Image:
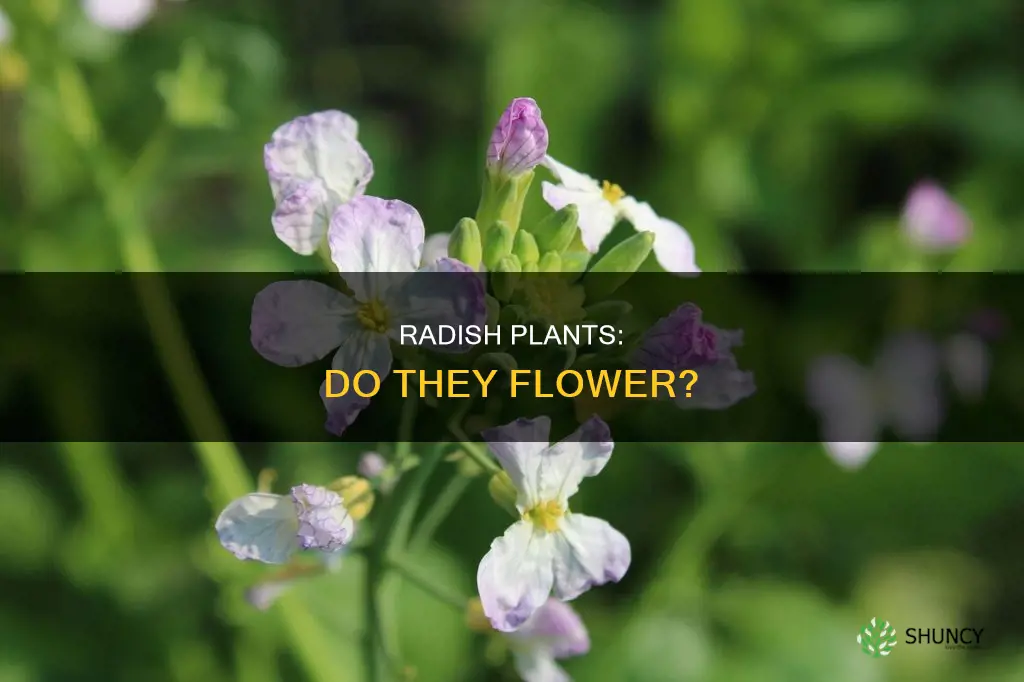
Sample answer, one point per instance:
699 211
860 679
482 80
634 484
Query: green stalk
439 511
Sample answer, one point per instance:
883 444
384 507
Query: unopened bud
503 492
466 244
575 261
557 230
608 312
524 247
618 265
550 262
497 244
519 140
371 465
505 277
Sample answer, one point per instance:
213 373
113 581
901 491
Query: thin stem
416 576
439 511
474 450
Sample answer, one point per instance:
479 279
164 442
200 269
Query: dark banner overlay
661 358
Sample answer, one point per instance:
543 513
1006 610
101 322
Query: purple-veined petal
673 247
566 463
555 628
850 455
363 350
537 665
519 447
519 140
298 322
259 527
324 522
448 292
588 552
315 163
370 236
515 576
678 341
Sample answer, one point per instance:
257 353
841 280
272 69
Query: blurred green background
783 135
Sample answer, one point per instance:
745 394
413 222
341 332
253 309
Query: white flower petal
260 527
673 247
597 216
519 447
363 350
538 665
588 553
556 628
569 178
298 322
435 248
850 455
369 236
315 163
118 15
584 453
514 578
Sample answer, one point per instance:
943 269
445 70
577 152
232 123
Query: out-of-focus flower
968 362
681 341
121 16
550 550
555 631
377 246
988 324
519 141
371 465
932 220
315 164
270 528
602 205
902 390
5 28
264 594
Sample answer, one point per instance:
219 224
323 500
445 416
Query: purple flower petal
520 139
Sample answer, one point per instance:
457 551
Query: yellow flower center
374 316
545 515
611 192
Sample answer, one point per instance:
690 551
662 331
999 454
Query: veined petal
519 447
588 553
673 247
537 665
259 527
435 248
362 350
584 453
298 322
555 627
514 578
302 214
315 163
448 292
850 455
597 216
324 522
369 235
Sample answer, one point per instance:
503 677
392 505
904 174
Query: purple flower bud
678 341
932 220
371 465
519 141
324 522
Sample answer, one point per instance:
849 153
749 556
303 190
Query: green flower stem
416 576
219 457
438 511
475 451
